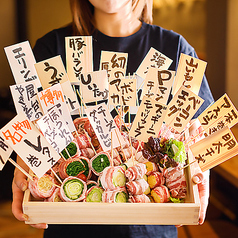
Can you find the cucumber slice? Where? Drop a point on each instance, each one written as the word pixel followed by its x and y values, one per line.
pixel 95 195
pixel 119 179
pixel 121 197
pixel 73 188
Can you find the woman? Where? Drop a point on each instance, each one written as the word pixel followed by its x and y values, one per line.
pixel 120 26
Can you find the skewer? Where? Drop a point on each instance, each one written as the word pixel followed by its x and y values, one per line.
pixel 121 146
pixel 188 164
pixel 80 103
pixel 90 141
pixel 56 176
pixel 121 119
pixel 20 168
pixel 133 162
pixel 111 148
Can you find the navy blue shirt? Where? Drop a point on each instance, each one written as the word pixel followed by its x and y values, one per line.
pixel 137 45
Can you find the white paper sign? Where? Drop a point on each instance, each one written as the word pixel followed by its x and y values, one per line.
pixel 153 59
pixel 189 73
pixel 55 130
pixel 54 97
pixel 103 124
pixel 94 86
pixel 148 120
pixel 215 149
pixel 5 152
pixel 51 72
pixel 128 92
pixel 29 144
pixel 182 108
pixel 70 96
pixel 114 63
pixel 223 111
pixel 22 60
pixel 26 100
pixel 158 84
pixel 79 56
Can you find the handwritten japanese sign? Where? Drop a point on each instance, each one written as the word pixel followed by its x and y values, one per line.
pixel 223 111
pixel 29 144
pixel 70 96
pixel 128 92
pixel 79 56
pixel 153 59
pixel 26 100
pixel 51 72
pixel 55 130
pixel 157 84
pixel 114 63
pixel 189 73
pixel 94 86
pixel 215 149
pixel 103 124
pixel 5 152
pixel 182 108
pixel 54 97
pixel 148 120
pixel 22 60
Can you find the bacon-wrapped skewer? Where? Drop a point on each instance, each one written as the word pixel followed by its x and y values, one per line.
pixel 79 124
pixel 115 196
pixel 99 162
pixel 136 172
pixel 151 167
pixel 94 194
pixel 112 178
pixel 42 187
pixel 142 198
pixel 73 189
pixel 55 197
pixel 176 183
pixel 156 179
pixel 160 194
pixel 137 187
pixel 74 167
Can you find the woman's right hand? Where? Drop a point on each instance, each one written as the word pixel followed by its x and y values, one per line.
pixel 19 185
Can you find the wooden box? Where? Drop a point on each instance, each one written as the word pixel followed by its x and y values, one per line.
pixel 116 213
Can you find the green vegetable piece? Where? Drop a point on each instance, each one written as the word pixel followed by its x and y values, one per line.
pixel 74 168
pixel 100 163
pixel 121 197
pixel 95 195
pixel 73 189
pixel 175 150
pixel 119 179
pixel 176 200
pixel 72 150
pixel 89 185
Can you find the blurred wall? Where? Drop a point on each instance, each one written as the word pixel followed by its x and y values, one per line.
pixel 8 37
pixel 232 51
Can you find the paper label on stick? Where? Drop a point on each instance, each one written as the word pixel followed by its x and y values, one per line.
pixel 54 97
pixel 215 149
pixel 94 86
pixel 22 60
pixel 30 145
pixel 55 130
pixel 128 92
pixel 114 63
pixel 220 114
pixel 79 56
pixel 153 59
pixel 189 73
pixel 158 84
pixel 182 108
pixel 26 100
pixel 70 96
pixel 51 72
pixel 103 124
pixel 5 152
pixel 148 120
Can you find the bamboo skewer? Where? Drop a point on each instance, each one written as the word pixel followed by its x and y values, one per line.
pixel 121 146
pixel 20 168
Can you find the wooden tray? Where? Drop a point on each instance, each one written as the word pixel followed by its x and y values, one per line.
pixel 116 213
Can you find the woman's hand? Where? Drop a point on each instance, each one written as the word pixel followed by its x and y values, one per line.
pixel 19 185
pixel 203 189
